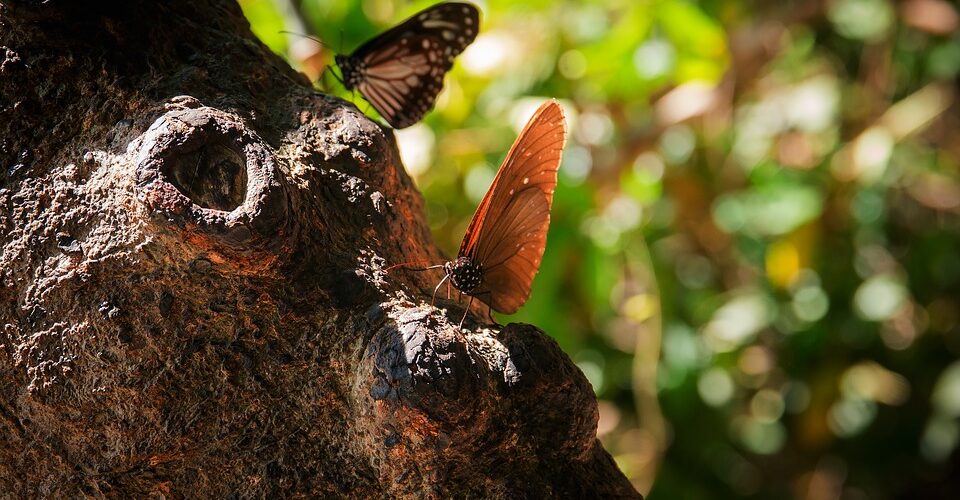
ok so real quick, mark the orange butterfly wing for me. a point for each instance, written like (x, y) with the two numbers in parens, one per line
(508, 232)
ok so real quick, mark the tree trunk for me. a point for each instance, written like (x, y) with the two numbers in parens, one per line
(192, 290)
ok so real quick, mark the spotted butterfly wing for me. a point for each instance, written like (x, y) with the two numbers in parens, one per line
(400, 72)
(508, 232)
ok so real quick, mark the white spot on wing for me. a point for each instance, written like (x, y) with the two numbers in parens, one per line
(439, 23)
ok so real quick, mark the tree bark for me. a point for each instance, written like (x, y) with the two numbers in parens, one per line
(192, 290)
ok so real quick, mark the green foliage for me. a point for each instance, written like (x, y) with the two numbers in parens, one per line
(754, 247)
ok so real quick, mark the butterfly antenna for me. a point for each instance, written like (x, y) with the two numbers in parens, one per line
(311, 37)
(408, 264)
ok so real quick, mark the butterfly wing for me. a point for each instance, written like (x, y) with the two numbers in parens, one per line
(402, 83)
(400, 72)
(508, 233)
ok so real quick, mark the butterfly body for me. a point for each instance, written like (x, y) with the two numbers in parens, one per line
(401, 71)
(351, 71)
(465, 274)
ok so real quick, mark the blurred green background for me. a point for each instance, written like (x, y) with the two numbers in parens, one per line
(755, 248)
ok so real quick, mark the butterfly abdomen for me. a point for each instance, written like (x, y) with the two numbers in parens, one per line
(465, 274)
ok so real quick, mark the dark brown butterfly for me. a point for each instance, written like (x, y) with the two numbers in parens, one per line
(501, 250)
(400, 72)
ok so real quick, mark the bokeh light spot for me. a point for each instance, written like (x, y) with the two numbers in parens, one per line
(715, 387)
(649, 165)
(677, 143)
(879, 298)
(477, 181)
(782, 263)
(488, 54)
(572, 64)
(416, 146)
(763, 438)
(594, 128)
(866, 20)
(869, 380)
(939, 439)
(654, 59)
(767, 405)
(737, 321)
(576, 164)
(946, 392)
(849, 417)
(810, 303)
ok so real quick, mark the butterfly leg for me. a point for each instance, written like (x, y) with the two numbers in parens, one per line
(433, 298)
(465, 312)
(323, 78)
(329, 69)
(488, 294)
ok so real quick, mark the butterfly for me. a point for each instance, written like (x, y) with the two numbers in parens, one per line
(400, 72)
(503, 245)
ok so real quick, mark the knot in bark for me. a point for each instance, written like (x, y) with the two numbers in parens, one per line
(203, 175)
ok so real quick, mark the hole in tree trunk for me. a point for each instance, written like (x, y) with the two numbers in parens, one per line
(213, 176)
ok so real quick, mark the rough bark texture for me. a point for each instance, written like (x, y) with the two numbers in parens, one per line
(192, 297)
